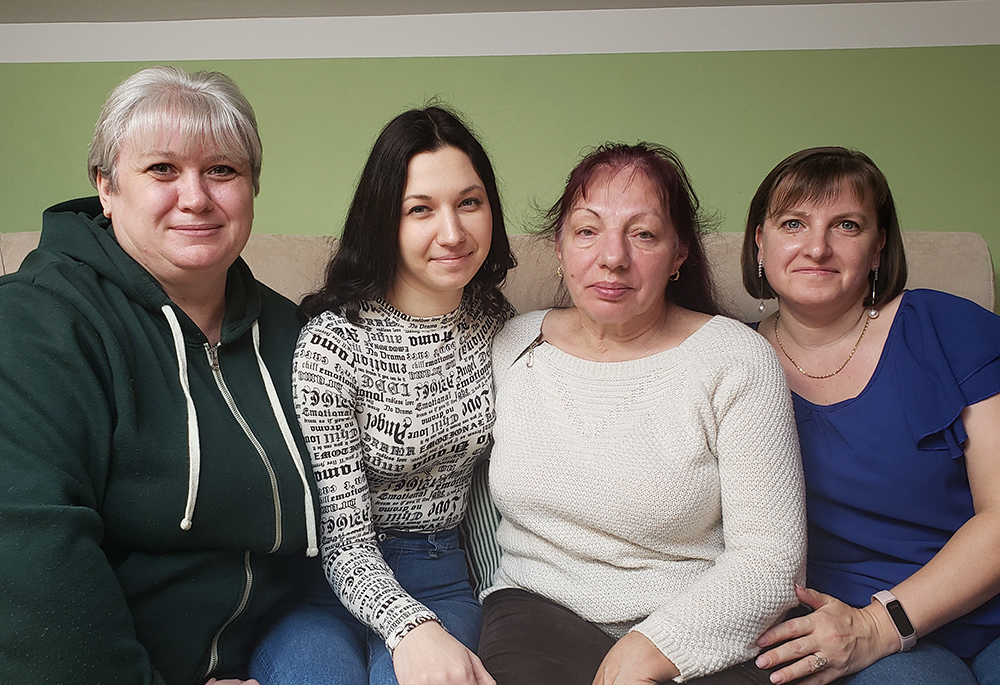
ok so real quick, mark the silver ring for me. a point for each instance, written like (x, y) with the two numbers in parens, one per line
(818, 664)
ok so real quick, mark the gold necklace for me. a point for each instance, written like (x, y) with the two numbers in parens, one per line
(803, 371)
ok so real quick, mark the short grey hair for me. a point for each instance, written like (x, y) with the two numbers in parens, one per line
(206, 104)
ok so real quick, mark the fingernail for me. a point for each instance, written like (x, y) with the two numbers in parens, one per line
(761, 662)
(775, 678)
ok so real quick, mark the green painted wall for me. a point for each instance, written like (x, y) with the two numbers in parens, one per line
(928, 116)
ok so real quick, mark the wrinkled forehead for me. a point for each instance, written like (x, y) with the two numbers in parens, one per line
(798, 189)
(604, 175)
(182, 129)
(599, 178)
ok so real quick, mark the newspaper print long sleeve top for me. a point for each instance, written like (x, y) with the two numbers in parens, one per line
(396, 411)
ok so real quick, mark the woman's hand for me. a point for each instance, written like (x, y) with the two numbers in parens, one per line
(634, 659)
(848, 639)
(428, 655)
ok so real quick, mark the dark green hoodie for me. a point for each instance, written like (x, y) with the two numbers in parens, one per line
(104, 452)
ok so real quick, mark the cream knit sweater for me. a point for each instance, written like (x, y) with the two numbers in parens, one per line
(663, 494)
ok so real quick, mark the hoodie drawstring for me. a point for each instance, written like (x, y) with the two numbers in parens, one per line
(194, 443)
(312, 548)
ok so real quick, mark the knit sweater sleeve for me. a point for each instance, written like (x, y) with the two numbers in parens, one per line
(64, 613)
(715, 622)
(325, 400)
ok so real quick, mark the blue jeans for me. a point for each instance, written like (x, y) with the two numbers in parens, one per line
(931, 664)
(318, 642)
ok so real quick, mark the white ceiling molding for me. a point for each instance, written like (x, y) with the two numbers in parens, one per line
(673, 29)
(100, 11)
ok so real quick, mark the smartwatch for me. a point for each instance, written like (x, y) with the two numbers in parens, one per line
(907, 635)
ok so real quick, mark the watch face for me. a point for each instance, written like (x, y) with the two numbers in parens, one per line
(899, 617)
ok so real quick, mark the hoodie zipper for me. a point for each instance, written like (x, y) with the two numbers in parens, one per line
(213, 359)
(213, 659)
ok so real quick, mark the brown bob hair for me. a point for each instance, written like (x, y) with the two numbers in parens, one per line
(817, 174)
(661, 166)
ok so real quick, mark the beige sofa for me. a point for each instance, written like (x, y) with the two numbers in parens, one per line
(958, 263)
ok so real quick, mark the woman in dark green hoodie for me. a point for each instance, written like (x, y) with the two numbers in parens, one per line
(154, 485)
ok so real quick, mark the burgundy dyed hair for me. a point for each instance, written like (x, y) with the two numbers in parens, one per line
(664, 170)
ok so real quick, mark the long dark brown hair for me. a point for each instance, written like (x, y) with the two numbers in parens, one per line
(365, 264)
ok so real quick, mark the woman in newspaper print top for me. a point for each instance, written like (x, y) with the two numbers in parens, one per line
(394, 396)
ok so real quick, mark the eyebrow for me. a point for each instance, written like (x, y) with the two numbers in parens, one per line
(421, 196)
(173, 155)
(628, 222)
(843, 215)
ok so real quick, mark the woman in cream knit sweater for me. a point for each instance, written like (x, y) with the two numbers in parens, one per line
(646, 462)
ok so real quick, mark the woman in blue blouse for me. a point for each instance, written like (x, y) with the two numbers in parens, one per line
(896, 400)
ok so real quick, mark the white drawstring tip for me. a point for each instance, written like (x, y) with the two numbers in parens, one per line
(312, 552)
(194, 446)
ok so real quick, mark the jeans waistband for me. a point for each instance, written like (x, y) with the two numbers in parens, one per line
(407, 535)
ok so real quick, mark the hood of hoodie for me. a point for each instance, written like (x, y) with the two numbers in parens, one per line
(63, 238)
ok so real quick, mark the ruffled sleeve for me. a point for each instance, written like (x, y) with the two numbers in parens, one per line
(953, 345)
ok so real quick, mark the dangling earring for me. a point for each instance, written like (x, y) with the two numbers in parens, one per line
(872, 312)
(559, 273)
(760, 275)
(675, 275)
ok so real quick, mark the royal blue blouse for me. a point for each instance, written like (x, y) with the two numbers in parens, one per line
(885, 471)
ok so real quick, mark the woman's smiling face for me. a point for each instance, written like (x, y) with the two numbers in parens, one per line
(181, 208)
(444, 233)
(819, 252)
